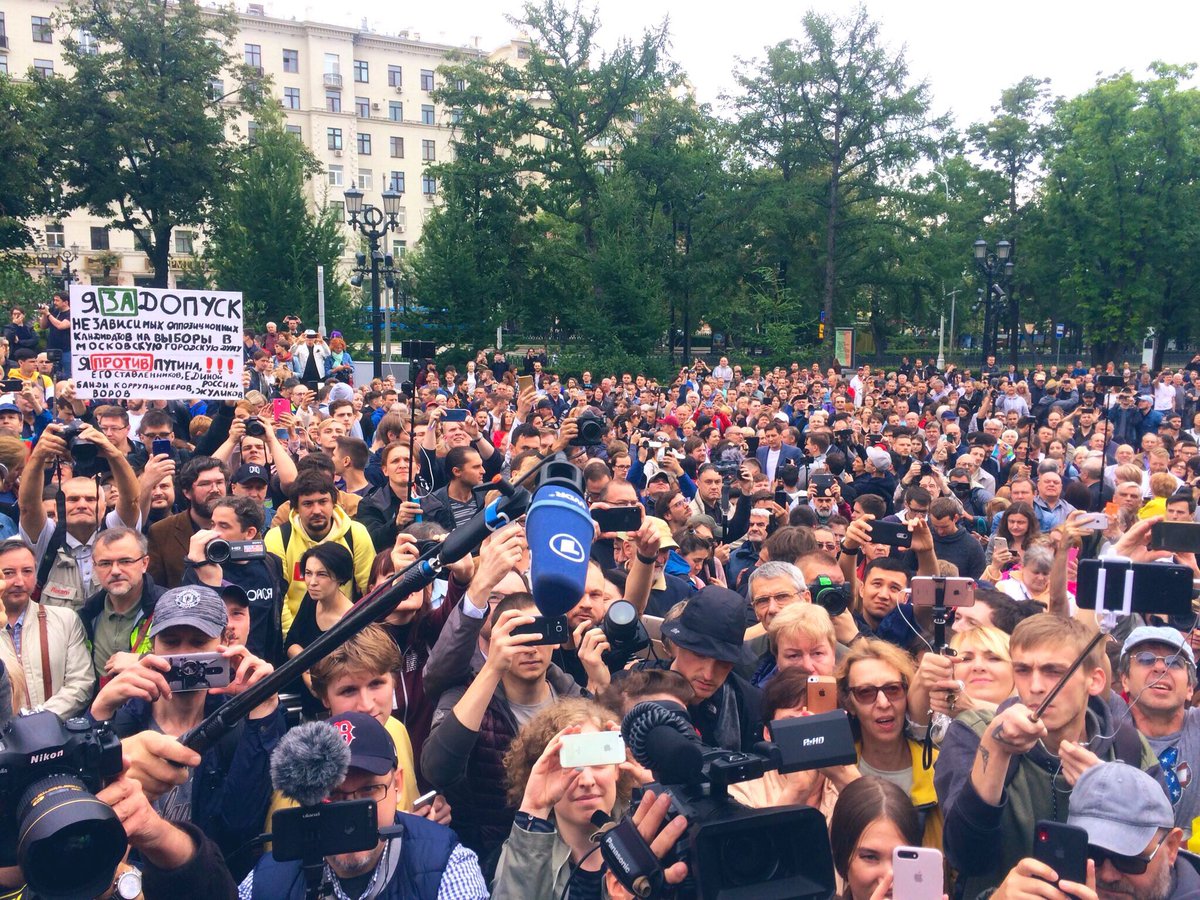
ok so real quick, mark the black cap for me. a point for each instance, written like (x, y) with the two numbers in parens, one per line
(712, 625)
(251, 472)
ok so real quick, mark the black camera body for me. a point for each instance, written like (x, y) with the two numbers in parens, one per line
(625, 633)
(52, 825)
(220, 551)
(591, 430)
(255, 427)
(86, 460)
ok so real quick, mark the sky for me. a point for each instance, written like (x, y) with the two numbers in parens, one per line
(968, 52)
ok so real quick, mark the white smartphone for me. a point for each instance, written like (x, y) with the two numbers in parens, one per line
(999, 545)
(916, 873)
(593, 748)
(424, 800)
(1095, 521)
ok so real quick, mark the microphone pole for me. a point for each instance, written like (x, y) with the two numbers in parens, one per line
(375, 606)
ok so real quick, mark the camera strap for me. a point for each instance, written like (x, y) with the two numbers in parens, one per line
(44, 641)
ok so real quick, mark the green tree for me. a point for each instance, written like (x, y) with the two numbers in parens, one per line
(24, 188)
(265, 239)
(139, 133)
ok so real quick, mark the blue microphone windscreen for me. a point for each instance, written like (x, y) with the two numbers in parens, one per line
(559, 530)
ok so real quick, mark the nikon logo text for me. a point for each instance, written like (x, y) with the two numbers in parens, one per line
(36, 758)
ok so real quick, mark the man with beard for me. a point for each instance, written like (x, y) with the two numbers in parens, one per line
(202, 481)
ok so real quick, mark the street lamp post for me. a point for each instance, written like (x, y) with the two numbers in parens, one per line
(374, 224)
(996, 268)
(68, 257)
(46, 259)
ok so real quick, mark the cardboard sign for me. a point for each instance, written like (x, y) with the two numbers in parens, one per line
(156, 343)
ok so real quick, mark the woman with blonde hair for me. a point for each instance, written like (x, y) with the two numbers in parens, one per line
(548, 853)
(979, 676)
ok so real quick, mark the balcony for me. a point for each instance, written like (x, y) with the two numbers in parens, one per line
(333, 80)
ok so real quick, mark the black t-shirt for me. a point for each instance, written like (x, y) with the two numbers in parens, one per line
(58, 339)
(303, 632)
(585, 885)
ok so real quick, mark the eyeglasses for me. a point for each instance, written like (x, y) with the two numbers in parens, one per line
(828, 546)
(779, 599)
(1175, 661)
(867, 693)
(105, 564)
(374, 792)
(1126, 865)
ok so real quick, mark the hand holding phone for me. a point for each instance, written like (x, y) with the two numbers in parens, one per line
(916, 873)
(592, 748)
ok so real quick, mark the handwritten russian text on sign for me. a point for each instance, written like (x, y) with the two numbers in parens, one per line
(155, 343)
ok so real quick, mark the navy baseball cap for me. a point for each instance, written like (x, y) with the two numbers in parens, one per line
(371, 747)
(251, 472)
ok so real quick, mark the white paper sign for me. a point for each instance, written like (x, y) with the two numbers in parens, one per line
(156, 343)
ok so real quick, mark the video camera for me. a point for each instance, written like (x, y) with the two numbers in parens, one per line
(66, 842)
(219, 551)
(730, 849)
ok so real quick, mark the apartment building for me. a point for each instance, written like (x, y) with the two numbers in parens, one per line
(360, 101)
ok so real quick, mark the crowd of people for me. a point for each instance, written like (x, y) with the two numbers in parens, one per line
(767, 503)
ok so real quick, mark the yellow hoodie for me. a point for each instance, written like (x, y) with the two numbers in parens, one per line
(359, 544)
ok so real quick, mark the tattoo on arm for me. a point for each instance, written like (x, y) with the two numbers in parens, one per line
(1002, 739)
(985, 756)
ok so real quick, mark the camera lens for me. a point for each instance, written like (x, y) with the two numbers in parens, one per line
(69, 842)
(217, 550)
(255, 427)
(620, 622)
(749, 858)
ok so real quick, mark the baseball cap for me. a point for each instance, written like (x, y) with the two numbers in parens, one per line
(371, 747)
(1158, 634)
(880, 459)
(234, 592)
(251, 472)
(712, 625)
(665, 540)
(660, 475)
(196, 605)
(1121, 808)
(6, 405)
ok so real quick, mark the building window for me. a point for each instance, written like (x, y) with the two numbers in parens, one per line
(3, 65)
(44, 67)
(333, 65)
(364, 144)
(362, 107)
(399, 248)
(428, 185)
(402, 216)
(396, 111)
(3, 27)
(365, 178)
(339, 209)
(185, 242)
(455, 116)
(396, 182)
(426, 114)
(291, 60)
(395, 76)
(296, 130)
(336, 176)
(88, 45)
(361, 74)
(254, 55)
(333, 101)
(252, 131)
(99, 238)
(333, 138)
(397, 147)
(55, 239)
(428, 151)
(523, 51)
(291, 98)
(42, 31)
(427, 79)
(216, 90)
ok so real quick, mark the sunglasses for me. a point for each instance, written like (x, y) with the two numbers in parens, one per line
(866, 693)
(1126, 865)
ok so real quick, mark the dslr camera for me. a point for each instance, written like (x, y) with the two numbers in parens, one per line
(255, 427)
(86, 459)
(625, 633)
(66, 842)
(591, 430)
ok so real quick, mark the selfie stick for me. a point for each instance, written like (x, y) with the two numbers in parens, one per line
(1096, 639)
(512, 503)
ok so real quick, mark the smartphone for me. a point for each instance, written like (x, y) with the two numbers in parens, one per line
(308, 831)
(916, 873)
(197, 671)
(1062, 847)
(618, 518)
(957, 591)
(595, 748)
(894, 534)
(12, 385)
(822, 483)
(524, 382)
(160, 446)
(1159, 588)
(280, 407)
(999, 545)
(553, 630)
(1095, 521)
(458, 414)
(783, 499)
(424, 800)
(822, 694)
(1178, 537)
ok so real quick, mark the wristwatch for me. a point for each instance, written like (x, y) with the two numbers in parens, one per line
(857, 551)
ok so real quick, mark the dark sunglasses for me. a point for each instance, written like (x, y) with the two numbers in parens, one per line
(1126, 865)
(867, 693)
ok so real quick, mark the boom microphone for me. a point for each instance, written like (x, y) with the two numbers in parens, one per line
(664, 741)
(559, 530)
(309, 762)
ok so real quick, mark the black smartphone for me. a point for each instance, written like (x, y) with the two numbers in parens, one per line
(161, 446)
(894, 534)
(1110, 381)
(752, 445)
(1158, 588)
(822, 482)
(618, 518)
(350, 826)
(12, 385)
(1178, 537)
(782, 498)
(455, 415)
(554, 630)
(1062, 847)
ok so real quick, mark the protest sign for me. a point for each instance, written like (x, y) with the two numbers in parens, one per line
(156, 343)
